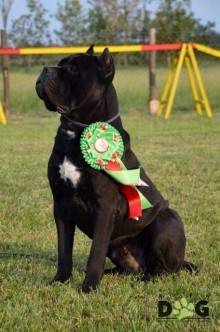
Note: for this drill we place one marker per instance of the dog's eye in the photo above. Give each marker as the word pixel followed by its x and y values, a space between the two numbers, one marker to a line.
pixel 73 70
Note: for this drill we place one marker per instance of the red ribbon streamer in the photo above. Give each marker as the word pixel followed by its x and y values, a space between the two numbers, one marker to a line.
pixel 113 166
pixel 134 201
pixel 129 192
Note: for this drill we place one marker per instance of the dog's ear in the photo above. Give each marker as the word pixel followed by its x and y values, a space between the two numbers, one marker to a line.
pixel 107 67
pixel 90 50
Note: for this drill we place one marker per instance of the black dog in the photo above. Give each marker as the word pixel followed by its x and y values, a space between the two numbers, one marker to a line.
pixel 80 89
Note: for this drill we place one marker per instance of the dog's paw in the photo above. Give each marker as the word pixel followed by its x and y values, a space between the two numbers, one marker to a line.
pixel 88 287
pixel 60 278
pixel 189 267
pixel 115 270
pixel 146 278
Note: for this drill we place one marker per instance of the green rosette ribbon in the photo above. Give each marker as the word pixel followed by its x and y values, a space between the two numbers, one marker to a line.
pixel 102 148
pixel 101 143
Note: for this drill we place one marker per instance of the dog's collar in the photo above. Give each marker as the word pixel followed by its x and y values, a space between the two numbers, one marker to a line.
pixel 83 125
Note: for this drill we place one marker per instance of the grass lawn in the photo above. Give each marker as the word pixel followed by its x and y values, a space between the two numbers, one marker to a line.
pixel 181 155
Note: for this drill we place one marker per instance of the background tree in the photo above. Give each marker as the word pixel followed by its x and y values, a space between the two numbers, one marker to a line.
pixel 102 22
pixel 205 33
pixel 96 23
pixel 174 21
pixel 130 21
pixel 72 23
pixel 146 21
pixel 117 22
pixel 133 22
pixel 31 30
pixel 5 6
pixel 109 22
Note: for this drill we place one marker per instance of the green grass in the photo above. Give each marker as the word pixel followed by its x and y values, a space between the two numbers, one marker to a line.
pixel 180 155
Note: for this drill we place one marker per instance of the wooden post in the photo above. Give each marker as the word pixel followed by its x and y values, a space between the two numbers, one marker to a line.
pixel 5 74
pixel 153 102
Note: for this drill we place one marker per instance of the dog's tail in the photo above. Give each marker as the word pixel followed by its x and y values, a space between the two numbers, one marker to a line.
pixel 190 267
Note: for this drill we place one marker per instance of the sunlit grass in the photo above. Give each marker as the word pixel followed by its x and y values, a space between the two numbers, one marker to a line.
pixel 181 156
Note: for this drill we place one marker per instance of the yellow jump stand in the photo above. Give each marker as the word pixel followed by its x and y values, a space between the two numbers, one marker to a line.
pixel 186 55
pixel 2 115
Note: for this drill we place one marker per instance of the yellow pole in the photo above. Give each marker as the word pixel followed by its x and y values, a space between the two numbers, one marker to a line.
pixel 175 80
pixel 166 86
pixel 79 49
pixel 2 115
pixel 193 86
pixel 207 50
pixel 199 80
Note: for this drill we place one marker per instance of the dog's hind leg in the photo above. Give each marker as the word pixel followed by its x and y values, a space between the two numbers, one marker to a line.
pixel 190 267
pixel 165 244
pixel 65 233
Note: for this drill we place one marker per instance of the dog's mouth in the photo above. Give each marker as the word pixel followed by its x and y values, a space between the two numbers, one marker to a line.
pixel 60 110
pixel 39 88
pixel 50 106
pixel 56 108
pixel 43 96
pixel 46 86
pixel 43 87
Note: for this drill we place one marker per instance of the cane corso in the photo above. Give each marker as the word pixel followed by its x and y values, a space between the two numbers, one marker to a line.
pixel 80 89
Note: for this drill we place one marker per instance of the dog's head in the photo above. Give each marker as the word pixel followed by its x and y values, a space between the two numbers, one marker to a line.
pixel 78 82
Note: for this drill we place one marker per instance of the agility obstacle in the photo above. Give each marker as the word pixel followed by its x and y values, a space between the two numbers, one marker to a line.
pixel 184 53
pixel 83 49
pixel 199 94
pixel 2 115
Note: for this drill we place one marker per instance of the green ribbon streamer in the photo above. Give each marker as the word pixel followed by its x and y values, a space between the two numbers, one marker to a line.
pixel 145 204
pixel 126 177
pixel 129 177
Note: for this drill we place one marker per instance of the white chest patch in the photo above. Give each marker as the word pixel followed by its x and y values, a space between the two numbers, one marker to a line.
pixel 71 134
pixel 69 171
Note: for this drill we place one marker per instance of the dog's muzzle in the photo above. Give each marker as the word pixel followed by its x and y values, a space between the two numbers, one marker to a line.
pixel 46 83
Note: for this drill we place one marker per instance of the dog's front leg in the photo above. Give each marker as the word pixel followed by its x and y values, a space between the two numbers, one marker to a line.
pixel 65 234
pixel 104 224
